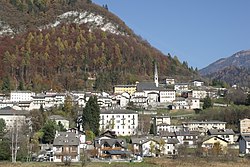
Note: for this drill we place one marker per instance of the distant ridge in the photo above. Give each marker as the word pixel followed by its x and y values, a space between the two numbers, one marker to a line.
pixel 234 69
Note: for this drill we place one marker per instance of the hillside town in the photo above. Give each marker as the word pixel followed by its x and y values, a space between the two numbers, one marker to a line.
pixel 123 134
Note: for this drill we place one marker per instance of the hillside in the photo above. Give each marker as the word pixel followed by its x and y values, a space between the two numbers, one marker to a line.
pixel 233 70
pixel 73 45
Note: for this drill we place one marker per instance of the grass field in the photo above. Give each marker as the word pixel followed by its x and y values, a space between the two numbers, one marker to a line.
pixel 152 162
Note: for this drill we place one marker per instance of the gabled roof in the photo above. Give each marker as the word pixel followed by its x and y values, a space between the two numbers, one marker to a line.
pixel 111 142
pixel 209 137
pixel 66 139
pixel 109 134
pixel 245 137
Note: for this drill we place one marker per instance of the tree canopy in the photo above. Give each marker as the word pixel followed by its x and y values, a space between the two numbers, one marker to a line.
pixel 91 116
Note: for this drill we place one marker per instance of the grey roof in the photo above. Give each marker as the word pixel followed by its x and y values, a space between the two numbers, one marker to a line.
pixel 167 134
pixel 246 137
pixel 204 122
pixel 117 152
pixel 220 132
pixel 144 139
pixel 111 142
pixel 146 86
pixel 172 141
pixel 187 133
pixel 66 139
pixel 11 111
pixel 117 111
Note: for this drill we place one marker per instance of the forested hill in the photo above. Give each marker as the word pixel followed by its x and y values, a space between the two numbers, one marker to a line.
pixel 233 70
pixel 72 44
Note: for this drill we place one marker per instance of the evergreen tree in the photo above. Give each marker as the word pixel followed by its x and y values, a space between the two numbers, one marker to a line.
pixel 49 131
pixel 4 142
pixel 248 100
pixel 91 116
pixel 207 103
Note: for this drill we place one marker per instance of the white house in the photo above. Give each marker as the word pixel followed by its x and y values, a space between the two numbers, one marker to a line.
pixel 245 126
pixel 188 138
pixel 226 134
pixel 167 96
pixel 200 94
pixel 66 147
pixel 203 126
pixel 197 83
pixel 123 122
pixel 170 81
pixel 193 103
pixel 181 87
pixel 14 118
pixel 16 96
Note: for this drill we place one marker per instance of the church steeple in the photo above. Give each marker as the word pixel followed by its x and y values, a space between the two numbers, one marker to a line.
pixel 156 76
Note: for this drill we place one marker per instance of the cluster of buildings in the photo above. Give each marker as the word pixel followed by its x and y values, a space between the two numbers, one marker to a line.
pixel 116 121
pixel 145 95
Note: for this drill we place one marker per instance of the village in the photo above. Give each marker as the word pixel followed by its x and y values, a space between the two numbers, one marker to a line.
pixel 123 133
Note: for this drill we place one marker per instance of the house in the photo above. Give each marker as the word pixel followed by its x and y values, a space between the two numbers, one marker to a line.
pixel 61 119
pixel 166 96
pixel 181 87
pixel 14 118
pixel 244 143
pixel 179 103
pixel 226 134
pixel 170 81
pixel 66 147
pixel 104 102
pixel 154 146
pixel 188 138
pixel 123 122
pixel 197 83
pixel 245 126
pixel 160 123
pixel 200 94
pixel 144 146
pixel 16 96
pixel 121 100
pixel 139 99
pixel 203 126
pixel 119 89
pixel 170 146
pixel 111 148
pixel 209 143
pixel 193 103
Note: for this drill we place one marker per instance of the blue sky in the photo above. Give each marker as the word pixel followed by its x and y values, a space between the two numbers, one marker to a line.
pixel 197 31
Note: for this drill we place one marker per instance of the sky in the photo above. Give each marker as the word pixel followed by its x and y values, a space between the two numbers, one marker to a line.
pixel 197 31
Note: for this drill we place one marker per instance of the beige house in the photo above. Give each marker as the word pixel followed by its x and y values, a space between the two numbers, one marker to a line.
pixel 245 125
pixel 209 143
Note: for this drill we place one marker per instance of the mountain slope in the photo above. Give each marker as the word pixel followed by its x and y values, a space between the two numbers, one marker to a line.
pixel 234 69
pixel 71 45
pixel 239 59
